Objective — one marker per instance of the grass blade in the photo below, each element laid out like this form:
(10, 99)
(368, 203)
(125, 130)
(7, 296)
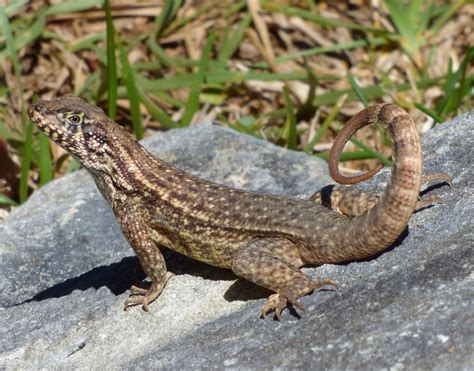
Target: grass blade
(44, 161)
(34, 31)
(165, 59)
(87, 42)
(413, 12)
(325, 125)
(219, 77)
(230, 44)
(25, 163)
(400, 15)
(465, 84)
(317, 18)
(167, 14)
(14, 6)
(6, 201)
(433, 114)
(132, 92)
(73, 6)
(452, 99)
(290, 125)
(73, 166)
(111, 62)
(325, 49)
(202, 9)
(358, 90)
(12, 51)
(347, 156)
(370, 151)
(6, 133)
(28, 145)
(372, 92)
(446, 15)
(156, 112)
(192, 104)
(91, 80)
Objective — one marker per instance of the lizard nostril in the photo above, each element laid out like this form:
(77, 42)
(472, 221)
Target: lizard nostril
(40, 106)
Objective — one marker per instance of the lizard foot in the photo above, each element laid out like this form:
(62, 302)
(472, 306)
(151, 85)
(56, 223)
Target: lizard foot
(437, 176)
(428, 201)
(431, 200)
(144, 297)
(280, 300)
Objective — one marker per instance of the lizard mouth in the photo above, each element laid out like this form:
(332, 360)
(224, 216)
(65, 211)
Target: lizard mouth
(38, 108)
(36, 113)
(44, 116)
(45, 120)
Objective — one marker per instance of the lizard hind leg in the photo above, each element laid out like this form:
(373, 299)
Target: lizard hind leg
(351, 202)
(274, 263)
(348, 201)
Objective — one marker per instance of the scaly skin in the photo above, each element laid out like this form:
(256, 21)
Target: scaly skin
(263, 238)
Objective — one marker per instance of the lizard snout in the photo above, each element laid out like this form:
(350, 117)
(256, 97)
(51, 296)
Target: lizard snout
(39, 106)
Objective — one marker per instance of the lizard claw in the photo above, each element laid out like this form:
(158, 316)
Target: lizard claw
(279, 301)
(144, 297)
(428, 201)
(141, 296)
(138, 290)
(437, 176)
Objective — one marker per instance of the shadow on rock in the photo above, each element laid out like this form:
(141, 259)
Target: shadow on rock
(118, 277)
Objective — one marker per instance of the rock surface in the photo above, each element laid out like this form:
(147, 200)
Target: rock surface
(65, 271)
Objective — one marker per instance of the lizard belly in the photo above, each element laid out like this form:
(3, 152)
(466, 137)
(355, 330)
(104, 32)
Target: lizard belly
(200, 243)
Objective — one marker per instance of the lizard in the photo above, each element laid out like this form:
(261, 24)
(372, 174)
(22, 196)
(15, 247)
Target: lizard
(263, 238)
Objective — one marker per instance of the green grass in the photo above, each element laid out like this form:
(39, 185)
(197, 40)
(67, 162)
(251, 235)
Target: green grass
(192, 104)
(44, 160)
(358, 90)
(325, 125)
(112, 86)
(213, 79)
(11, 50)
(132, 92)
(290, 122)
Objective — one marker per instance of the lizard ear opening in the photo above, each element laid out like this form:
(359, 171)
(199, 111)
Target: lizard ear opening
(88, 130)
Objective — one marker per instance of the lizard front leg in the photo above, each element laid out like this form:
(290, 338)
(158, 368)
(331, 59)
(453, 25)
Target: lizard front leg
(274, 263)
(150, 258)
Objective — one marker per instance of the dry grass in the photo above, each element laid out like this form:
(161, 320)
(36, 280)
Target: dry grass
(310, 49)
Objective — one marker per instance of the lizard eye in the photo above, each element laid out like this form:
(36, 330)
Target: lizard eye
(74, 119)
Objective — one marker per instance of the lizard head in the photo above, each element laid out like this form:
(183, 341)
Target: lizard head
(80, 128)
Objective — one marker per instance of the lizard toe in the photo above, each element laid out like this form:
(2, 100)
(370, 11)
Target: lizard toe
(289, 295)
(137, 296)
(323, 282)
(138, 290)
(269, 305)
(132, 301)
(278, 302)
(144, 297)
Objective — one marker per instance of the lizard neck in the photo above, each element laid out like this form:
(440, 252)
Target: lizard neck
(131, 170)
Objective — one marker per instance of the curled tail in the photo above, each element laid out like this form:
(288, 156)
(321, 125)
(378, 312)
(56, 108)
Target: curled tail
(374, 230)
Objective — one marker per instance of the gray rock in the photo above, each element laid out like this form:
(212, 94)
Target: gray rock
(65, 271)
